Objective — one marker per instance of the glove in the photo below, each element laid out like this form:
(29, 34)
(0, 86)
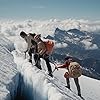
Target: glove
(56, 67)
(37, 54)
(45, 56)
(25, 51)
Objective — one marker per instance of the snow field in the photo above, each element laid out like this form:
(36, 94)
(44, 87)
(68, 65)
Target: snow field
(38, 85)
(9, 75)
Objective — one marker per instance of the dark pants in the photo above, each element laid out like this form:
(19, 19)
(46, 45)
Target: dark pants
(77, 85)
(30, 53)
(37, 61)
(46, 58)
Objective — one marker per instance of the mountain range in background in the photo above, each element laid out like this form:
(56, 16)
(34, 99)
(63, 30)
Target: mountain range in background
(83, 46)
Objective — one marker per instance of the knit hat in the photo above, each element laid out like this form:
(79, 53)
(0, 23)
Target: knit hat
(22, 33)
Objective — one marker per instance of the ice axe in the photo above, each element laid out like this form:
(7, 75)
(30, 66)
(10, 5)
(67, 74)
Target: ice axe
(53, 62)
(25, 55)
(55, 67)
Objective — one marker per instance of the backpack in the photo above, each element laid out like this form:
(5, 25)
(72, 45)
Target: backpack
(49, 46)
(75, 70)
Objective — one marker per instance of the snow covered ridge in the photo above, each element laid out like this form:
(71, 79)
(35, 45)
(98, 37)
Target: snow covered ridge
(8, 71)
(4, 42)
(37, 85)
(47, 27)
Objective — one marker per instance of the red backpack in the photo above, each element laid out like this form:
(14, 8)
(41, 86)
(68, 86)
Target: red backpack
(49, 46)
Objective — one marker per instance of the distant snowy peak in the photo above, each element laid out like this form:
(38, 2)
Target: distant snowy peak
(74, 32)
(66, 36)
(77, 32)
(58, 30)
(74, 36)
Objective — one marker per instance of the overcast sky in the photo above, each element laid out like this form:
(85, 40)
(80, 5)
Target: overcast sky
(47, 9)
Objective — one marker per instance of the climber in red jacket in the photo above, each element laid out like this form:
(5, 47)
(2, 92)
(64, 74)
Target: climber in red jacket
(74, 71)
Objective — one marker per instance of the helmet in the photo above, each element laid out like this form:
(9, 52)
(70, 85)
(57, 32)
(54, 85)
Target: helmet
(68, 58)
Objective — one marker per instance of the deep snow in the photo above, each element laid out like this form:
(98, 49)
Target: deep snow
(9, 75)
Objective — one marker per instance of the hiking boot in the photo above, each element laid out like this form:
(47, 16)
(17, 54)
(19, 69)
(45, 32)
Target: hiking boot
(39, 67)
(30, 60)
(79, 94)
(50, 74)
(67, 87)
